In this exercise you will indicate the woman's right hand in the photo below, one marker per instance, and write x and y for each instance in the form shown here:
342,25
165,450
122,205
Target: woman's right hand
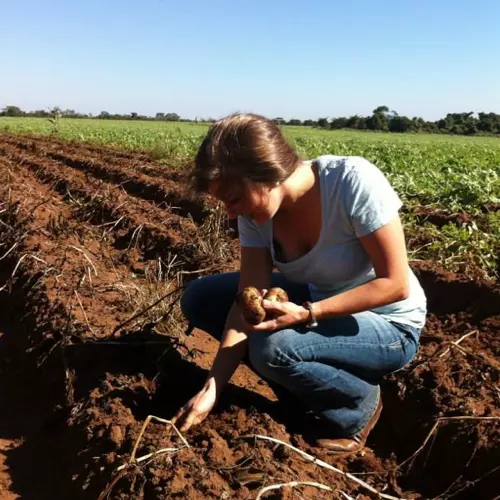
197,408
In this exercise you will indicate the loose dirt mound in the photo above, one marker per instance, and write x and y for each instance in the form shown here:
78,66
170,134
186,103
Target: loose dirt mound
91,237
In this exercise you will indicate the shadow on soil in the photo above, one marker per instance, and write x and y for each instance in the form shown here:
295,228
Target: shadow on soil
54,459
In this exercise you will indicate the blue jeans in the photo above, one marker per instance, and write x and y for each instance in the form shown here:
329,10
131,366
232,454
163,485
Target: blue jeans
335,369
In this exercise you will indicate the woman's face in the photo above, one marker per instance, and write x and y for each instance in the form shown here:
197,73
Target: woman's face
256,201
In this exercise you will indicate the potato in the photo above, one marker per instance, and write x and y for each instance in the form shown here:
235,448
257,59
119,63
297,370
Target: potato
250,301
276,294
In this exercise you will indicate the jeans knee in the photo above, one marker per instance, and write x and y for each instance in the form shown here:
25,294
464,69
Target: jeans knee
267,351
190,300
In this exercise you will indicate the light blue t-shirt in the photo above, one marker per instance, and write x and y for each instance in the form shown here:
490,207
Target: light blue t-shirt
356,199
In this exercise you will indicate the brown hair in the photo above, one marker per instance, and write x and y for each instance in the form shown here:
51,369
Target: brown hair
243,147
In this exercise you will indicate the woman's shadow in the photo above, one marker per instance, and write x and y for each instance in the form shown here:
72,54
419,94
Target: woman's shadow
52,462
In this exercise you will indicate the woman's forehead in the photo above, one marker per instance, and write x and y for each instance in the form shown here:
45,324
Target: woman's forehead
226,190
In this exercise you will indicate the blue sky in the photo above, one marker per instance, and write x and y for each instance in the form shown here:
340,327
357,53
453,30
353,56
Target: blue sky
291,58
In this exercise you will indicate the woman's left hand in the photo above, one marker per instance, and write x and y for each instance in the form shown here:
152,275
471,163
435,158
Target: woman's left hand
287,314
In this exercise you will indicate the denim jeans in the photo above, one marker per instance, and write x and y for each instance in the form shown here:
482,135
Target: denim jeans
335,369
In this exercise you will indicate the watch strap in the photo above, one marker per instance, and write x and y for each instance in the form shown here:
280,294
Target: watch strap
311,322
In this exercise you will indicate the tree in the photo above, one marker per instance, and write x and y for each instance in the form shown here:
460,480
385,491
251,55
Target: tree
172,117
12,111
381,110
374,122
400,124
489,123
354,121
362,123
40,113
338,123
294,121
323,123
279,120
160,116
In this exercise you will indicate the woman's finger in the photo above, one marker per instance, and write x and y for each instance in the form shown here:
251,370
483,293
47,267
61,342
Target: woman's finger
272,324
271,305
189,421
180,416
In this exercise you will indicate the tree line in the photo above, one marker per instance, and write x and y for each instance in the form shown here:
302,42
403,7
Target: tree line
71,113
381,119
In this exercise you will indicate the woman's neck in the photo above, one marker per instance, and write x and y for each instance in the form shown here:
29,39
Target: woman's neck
298,186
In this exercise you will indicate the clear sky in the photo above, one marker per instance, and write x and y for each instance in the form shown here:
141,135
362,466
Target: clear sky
289,58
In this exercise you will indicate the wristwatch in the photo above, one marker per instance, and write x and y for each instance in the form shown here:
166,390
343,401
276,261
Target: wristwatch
311,323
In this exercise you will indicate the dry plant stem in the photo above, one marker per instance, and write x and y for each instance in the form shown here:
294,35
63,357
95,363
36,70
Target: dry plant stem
18,264
9,250
122,470
84,313
109,487
292,484
69,395
319,462
345,495
146,423
458,342
85,255
140,313
135,235
475,356
436,425
198,271
469,484
149,455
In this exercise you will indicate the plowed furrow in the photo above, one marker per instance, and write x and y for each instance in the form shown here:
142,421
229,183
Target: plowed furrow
33,143
61,265
137,185
131,222
126,173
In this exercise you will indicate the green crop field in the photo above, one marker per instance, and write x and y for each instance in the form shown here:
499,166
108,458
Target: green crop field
445,176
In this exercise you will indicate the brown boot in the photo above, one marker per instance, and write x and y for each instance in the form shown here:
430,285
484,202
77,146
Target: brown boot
354,443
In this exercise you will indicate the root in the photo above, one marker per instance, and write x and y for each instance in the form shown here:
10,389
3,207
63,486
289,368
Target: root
122,470
456,343
437,423
319,462
84,313
85,255
292,484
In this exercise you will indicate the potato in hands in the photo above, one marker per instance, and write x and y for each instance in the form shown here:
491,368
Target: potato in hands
250,301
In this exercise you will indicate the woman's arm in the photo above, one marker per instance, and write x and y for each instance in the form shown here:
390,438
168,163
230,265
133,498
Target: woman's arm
256,268
387,251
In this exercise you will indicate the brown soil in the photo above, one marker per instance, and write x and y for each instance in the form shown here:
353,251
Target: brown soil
89,236
440,217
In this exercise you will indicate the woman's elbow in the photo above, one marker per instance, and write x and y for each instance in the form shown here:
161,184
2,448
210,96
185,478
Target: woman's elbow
402,290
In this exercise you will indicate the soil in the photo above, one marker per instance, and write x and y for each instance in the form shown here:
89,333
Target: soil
90,236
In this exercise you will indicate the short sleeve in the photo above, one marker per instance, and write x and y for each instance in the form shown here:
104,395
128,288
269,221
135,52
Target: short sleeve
369,199
249,234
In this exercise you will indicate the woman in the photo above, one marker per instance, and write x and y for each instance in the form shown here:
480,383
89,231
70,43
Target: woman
331,228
